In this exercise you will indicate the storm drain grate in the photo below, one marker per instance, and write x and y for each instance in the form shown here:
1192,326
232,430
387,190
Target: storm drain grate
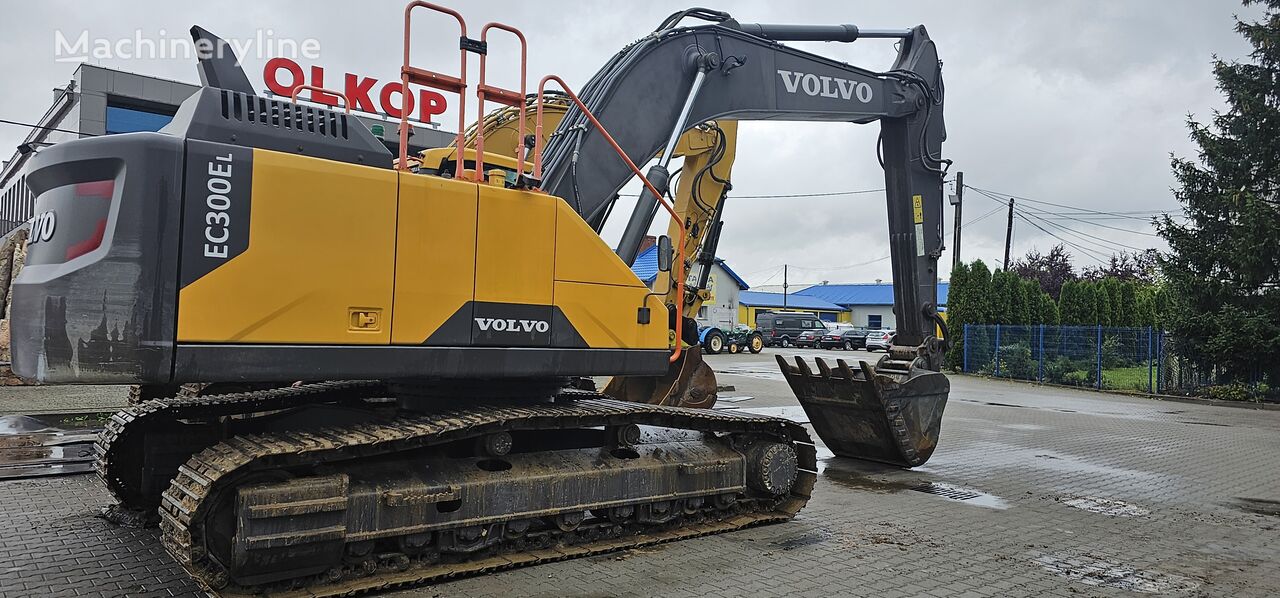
946,491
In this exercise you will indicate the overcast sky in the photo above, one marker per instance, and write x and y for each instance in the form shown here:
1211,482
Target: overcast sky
1076,103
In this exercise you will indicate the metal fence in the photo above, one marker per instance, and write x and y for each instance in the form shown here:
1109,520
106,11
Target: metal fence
1103,358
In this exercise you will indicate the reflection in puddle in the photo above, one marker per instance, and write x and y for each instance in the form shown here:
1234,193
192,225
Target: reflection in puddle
891,480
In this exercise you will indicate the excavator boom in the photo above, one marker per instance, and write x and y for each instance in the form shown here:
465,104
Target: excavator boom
674,80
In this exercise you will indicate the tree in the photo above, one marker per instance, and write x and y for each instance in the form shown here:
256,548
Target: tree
1048,310
1000,298
1141,266
1119,317
1102,299
1051,270
1223,264
1031,301
978,293
1069,304
1129,305
958,313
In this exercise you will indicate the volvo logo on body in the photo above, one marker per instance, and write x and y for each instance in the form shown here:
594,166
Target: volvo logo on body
824,86
42,227
512,325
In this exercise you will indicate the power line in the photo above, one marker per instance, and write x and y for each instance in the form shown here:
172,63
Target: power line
1086,251
1084,234
1042,215
1058,205
29,125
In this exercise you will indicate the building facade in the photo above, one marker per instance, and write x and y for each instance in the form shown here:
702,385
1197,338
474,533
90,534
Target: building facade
103,101
868,305
724,288
751,304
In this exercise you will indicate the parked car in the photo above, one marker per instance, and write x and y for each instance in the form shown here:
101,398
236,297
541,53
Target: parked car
783,328
847,339
880,339
809,338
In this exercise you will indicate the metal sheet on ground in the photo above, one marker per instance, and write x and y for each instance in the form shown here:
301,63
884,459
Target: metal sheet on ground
47,445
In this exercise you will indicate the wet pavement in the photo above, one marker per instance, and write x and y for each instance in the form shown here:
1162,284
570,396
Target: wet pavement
1032,491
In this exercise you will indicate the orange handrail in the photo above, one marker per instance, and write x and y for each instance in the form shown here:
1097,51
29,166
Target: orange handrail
428,78
502,96
537,174
297,90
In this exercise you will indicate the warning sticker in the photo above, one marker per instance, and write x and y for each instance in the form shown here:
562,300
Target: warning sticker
917,206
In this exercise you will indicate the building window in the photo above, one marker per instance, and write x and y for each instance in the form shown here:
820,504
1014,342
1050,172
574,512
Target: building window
129,120
702,312
873,321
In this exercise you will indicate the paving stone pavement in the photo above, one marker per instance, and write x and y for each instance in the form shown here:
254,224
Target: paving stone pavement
1070,493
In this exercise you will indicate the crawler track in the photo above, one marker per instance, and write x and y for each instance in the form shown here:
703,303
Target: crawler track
134,472
210,478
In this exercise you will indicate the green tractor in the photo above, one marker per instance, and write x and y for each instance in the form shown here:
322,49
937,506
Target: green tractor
736,340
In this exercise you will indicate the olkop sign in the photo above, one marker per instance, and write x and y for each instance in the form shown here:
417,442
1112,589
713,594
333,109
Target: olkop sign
366,94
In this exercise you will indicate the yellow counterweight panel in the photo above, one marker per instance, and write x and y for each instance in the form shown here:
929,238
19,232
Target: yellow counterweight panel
598,293
435,254
582,256
605,315
320,263
515,246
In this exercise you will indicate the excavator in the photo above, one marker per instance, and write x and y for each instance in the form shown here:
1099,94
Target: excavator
402,340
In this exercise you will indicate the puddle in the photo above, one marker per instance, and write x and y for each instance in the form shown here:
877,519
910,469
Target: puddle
795,414
816,536
1204,423
856,481
1097,572
1106,506
754,372
869,481
999,455
995,404
1260,506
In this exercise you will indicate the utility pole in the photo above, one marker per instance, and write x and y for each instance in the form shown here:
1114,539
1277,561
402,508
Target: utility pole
784,286
1008,236
957,200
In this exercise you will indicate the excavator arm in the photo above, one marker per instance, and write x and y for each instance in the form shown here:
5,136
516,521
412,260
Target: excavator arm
677,78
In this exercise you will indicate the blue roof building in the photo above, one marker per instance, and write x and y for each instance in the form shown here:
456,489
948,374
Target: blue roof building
646,267
723,287
868,304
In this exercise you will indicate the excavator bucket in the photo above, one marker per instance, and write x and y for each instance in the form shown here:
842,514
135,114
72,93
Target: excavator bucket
689,382
879,414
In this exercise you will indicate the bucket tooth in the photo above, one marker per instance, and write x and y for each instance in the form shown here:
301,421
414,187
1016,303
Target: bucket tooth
891,413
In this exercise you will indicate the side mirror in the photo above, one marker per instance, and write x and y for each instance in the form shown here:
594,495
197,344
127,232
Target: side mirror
664,254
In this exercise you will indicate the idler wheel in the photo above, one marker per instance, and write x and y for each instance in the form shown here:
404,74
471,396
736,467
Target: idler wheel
772,467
